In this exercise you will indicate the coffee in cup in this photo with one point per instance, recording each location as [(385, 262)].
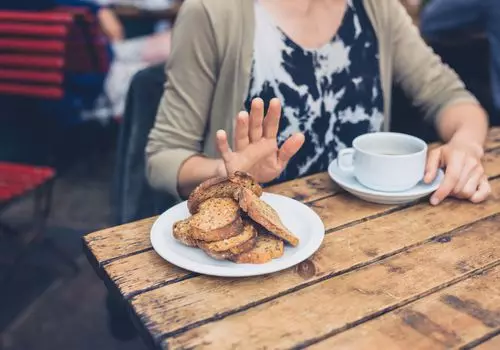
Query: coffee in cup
[(385, 161)]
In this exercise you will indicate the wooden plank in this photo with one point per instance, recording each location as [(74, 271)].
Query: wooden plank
[(133, 238), (119, 241), (307, 189), (340, 252), (142, 272), (492, 344), (304, 316), (452, 318)]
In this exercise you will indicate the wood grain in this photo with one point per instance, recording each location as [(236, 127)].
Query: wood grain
[(307, 189), (199, 298), (491, 344), (143, 271), (454, 317), (339, 303), (133, 238), (109, 244)]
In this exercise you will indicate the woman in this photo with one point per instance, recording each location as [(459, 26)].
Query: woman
[(331, 63)]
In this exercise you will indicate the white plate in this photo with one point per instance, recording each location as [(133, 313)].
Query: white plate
[(348, 182), (297, 217)]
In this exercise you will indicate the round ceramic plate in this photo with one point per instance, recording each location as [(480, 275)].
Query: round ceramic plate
[(348, 182), (297, 217)]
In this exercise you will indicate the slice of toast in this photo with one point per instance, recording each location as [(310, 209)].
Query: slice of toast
[(233, 252), (221, 187), (182, 232), (263, 214), (247, 234), (217, 219), (267, 248)]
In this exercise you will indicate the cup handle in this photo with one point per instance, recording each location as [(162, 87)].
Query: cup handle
[(346, 154)]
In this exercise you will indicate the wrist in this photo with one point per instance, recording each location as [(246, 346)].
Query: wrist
[(474, 147)]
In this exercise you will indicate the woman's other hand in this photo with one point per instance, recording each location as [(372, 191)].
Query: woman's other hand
[(464, 172), (255, 144)]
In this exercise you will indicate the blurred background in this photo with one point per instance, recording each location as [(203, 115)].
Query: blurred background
[(79, 86)]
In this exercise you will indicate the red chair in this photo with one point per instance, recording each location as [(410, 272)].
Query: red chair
[(37, 51)]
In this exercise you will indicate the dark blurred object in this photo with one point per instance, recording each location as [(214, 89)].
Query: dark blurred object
[(471, 29), (133, 198), (27, 5), (468, 56)]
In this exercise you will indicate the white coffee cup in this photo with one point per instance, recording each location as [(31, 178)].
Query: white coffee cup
[(385, 161)]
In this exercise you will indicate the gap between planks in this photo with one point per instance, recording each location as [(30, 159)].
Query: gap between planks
[(455, 317), (478, 344)]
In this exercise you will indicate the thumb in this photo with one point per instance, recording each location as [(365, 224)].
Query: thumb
[(289, 148)]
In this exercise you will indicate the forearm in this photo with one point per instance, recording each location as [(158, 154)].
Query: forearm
[(195, 170), (464, 123)]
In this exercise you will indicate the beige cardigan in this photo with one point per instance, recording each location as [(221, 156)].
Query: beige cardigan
[(209, 71)]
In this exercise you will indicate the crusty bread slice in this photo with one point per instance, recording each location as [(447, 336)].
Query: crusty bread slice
[(247, 181), (266, 248), (247, 234), (233, 252), (221, 187), (263, 214), (182, 232), (216, 220)]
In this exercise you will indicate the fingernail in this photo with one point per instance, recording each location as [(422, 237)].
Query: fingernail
[(434, 201)]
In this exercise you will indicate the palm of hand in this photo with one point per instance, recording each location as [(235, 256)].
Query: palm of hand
[(256, 149)]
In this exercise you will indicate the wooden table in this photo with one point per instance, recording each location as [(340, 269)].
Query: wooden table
[(386, 277)]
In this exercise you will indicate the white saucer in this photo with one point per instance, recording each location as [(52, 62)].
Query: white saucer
[(348, 182)]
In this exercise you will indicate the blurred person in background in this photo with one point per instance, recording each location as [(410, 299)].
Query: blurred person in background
[(439, 17), (325, 68)]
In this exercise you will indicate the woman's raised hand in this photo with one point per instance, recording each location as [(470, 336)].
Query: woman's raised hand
[(255, 145)]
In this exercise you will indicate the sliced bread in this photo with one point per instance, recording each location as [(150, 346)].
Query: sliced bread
[(217, 219), (221, 187), (182, 233), (247, 234), (266, 248), (263, 214)]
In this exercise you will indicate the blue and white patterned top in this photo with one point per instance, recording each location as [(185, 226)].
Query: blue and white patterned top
[(332, 94)]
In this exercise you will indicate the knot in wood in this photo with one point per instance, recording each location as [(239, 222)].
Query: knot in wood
[(306, 269)]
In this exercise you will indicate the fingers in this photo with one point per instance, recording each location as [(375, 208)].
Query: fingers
[(256, 118), (289, 148), (433, 163), (223, 145), (241, 139), (470, 170), (483, 191), (451, 178), (472, 184), (272, 120)]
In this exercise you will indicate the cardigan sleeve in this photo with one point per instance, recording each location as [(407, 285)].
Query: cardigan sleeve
[(184, 109), (430, 83)]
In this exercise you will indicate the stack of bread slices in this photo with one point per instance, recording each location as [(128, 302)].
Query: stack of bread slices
[(229, 221)]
